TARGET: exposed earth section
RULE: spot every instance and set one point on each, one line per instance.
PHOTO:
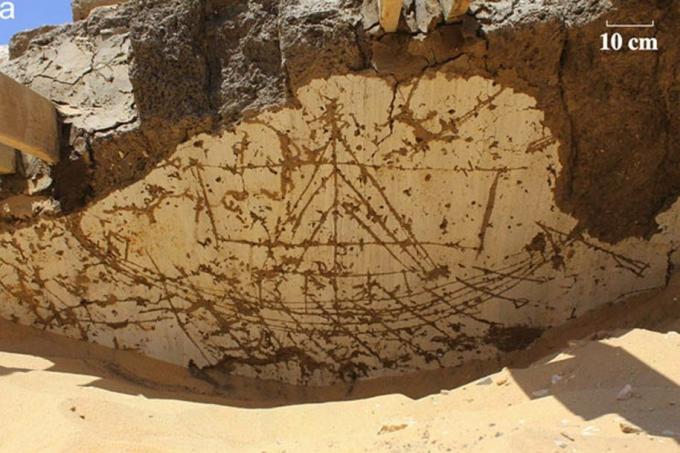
(281, 190)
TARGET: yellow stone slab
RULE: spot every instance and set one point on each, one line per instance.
(390, 11)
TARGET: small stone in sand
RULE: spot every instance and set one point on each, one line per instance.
(626, 393)
(560, 443)
(589, 431)
(627, 428)
(392, 428)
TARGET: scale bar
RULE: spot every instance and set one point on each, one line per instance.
(652, 25)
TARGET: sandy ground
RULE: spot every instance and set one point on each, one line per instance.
(613, 392)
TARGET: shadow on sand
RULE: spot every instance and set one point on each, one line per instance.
(598, 379)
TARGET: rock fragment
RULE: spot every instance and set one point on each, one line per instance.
(626, 393)
(628, 428)
(454, 8)
(390, 12)
(82, 8)
(386, 429)
(20, 42)
(589, 431)
(428, 15)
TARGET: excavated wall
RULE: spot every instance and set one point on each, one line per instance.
(279, 190)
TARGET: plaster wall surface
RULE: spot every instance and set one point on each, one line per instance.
(374, 229)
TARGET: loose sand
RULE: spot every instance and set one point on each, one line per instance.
(613, 392)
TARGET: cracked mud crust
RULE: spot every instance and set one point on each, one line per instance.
(280, 190)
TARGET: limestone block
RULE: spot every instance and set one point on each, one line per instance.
(373, 229)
